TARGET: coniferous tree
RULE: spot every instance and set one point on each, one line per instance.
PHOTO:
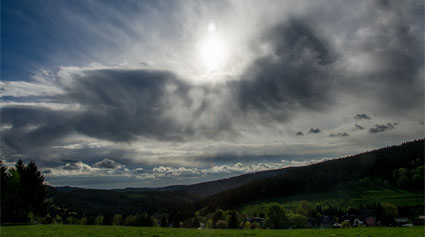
(22, 191)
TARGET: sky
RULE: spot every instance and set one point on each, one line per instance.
(115, 94)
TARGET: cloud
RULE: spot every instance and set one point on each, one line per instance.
(296, 74)
(344, 134)
(361, 116)
(382, 127)
(107, 164)
(166, 174)
(299, 133)
(76, 166)
(314, 131)
(358, 127)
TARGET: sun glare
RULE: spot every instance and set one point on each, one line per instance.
(213, 50)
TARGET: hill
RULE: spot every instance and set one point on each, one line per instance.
(380, 165)
(173, 200)
(206, 189)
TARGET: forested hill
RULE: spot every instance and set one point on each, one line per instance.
(382, 164)
(206, 189)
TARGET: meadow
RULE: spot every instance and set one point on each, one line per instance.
(343, 199)
(86, 230)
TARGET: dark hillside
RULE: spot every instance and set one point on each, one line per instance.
(329, 175)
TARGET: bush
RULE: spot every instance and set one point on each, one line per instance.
(209, 223)
(233, 220)
(83, 220)
(221, 224)
(403, 181)
(72, 220)
(57, 220)
(304, 208)
(187, 224)
(297, 220)
(117, 219)
(98, 220)
(130, 221)
(346, 224)
(389, 210)
(276, 217)
(247, 225)
(218, 215)
(195, 222)
(255, 225)
(46, 220)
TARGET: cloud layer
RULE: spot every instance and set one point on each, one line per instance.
(310, 79)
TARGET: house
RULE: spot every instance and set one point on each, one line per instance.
(370, 221)
(401, 221)
(337, 225)
(327, 221)
(419, 220)
(366, 213)
(357, 222)
(368, 217)
(312, 223)
(350, 218)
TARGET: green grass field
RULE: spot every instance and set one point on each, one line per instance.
(86, 230)
(343, 199)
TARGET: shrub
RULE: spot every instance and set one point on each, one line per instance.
(98, 220)
(209, 223)
(72, 220)
(195, 222)
(247, 225)
(57, 220)
(276, 217)
(232, 220)
(83, 220)
(221, 224)
(297, 220)
(255, 225)
(130, 221)
(117, 219)
(345, 224)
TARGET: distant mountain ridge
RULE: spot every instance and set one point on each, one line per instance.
(203, 189)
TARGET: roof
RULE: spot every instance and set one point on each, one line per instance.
(401, 219)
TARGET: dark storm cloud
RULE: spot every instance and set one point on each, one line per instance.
(344, 134)
(117, 105)
(314, 131)
(393, 41)
(295, 75)
(121, 104)
(33, 128)
(361, 116)
(299, 133)
(382, 127)
(358, 127)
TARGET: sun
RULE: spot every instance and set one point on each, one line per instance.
(213, 50)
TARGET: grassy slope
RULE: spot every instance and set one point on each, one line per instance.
(343, 199)
(76, 230)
